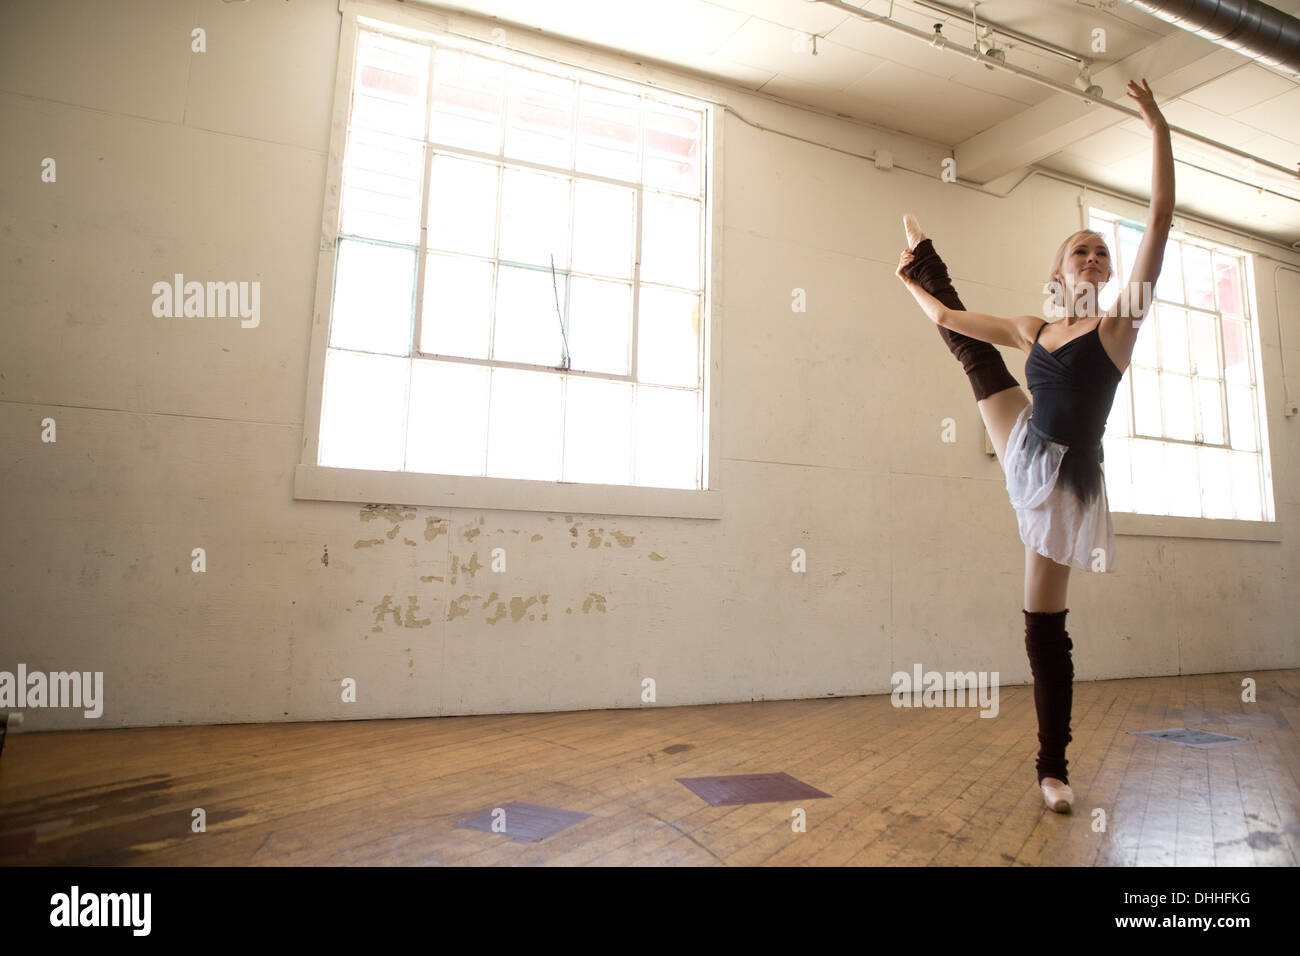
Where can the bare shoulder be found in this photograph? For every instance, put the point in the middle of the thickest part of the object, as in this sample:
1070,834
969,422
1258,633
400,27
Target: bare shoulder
1027,327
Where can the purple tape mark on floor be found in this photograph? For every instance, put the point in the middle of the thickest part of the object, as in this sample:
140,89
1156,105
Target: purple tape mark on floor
523,822
750,788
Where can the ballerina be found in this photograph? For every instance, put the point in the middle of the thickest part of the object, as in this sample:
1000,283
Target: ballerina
1050,449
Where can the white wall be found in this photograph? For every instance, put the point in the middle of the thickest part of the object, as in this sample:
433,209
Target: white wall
183,433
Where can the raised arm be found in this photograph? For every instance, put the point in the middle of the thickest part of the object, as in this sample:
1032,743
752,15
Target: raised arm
1017,333
1136,297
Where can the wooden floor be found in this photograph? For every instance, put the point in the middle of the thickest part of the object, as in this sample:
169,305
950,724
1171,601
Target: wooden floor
908,786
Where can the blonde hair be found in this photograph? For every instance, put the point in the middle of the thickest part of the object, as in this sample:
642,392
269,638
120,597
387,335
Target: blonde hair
1058,285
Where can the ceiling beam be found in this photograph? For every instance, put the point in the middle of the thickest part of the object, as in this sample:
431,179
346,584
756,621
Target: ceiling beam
1173,65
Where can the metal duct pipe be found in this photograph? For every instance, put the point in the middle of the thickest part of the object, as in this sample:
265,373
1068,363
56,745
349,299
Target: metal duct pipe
939,41
1251,28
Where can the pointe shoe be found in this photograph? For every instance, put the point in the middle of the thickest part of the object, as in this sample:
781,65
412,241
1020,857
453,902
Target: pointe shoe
913,229
1057,795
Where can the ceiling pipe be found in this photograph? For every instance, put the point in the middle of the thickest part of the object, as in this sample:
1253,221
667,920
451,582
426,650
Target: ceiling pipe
938,40
1249,27
1025,38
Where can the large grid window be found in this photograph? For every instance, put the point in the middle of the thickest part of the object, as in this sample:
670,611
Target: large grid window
519,275
1184,435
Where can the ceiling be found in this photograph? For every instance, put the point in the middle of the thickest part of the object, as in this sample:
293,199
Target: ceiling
998,124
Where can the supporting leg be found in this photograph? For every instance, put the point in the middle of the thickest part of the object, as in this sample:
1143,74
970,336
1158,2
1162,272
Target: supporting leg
1048,644
1049,647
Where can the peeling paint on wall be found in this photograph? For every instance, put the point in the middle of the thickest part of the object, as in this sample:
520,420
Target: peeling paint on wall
434,526
594,600
368,542
518,607
536,537
656,556
393,513
383,609
458,608
412,607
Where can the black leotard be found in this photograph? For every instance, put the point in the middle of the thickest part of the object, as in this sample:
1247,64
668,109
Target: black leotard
1073,389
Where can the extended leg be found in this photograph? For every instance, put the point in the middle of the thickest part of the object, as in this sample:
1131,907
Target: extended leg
1000,397
981,360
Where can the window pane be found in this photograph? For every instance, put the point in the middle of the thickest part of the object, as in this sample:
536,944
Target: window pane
1150,480
668,337
1108,294
1199,279
604,229
1179,422
1205,343
1216,489
1245,486
535,218
382,180
539,118
672,148
1180,481
1236,352
1115,469
373,292
1146,402
1144,349
608,133
1170,284
600,326
670,241
527,319
1173,339
1210,404
468,95
667,437
1129,238
363,411
598,432
449,416
462,205
1227,276
389,92
1241,417
524,425
1117,422
457,306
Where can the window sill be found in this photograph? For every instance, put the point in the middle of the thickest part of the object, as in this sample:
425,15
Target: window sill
318,483
1181,527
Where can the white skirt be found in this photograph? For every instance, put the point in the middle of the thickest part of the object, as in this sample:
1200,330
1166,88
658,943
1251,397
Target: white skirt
1053,521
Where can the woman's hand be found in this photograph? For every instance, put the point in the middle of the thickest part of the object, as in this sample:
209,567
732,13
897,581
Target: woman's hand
1146,101
903,260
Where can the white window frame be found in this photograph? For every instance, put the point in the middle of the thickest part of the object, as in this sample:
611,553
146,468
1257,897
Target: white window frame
1187,526
322,483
